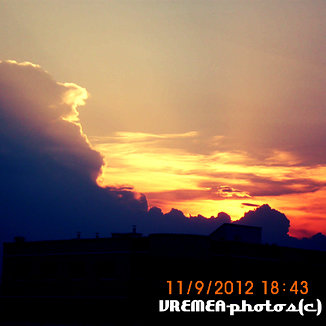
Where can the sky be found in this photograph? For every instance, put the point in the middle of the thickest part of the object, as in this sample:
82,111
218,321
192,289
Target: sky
201,106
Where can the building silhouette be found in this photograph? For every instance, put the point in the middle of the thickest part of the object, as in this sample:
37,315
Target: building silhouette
131,270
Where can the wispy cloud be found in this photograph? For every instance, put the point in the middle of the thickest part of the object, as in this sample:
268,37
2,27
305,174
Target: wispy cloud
202,183
125,136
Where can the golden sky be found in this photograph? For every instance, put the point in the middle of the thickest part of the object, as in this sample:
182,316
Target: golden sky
204,106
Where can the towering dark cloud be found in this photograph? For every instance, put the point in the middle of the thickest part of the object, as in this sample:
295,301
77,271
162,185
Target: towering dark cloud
48,169
48,172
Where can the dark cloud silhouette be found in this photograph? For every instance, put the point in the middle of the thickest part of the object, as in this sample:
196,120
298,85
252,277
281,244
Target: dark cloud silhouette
275,228
275,225
317,242
176,221
249,204
48,172
48,168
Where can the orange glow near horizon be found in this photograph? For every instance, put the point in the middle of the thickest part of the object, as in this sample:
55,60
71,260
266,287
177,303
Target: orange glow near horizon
202,106
209,183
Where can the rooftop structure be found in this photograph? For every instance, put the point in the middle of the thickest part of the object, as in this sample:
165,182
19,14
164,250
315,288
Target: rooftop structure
131,266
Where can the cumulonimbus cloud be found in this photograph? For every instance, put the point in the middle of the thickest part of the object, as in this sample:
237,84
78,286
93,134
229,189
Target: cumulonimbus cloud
41,114
48,168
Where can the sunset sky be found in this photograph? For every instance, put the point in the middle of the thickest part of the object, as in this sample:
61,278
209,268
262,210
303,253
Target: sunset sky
203,106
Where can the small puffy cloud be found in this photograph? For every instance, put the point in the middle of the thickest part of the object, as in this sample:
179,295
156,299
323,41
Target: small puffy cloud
275,225
48,171
176,221
275,229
